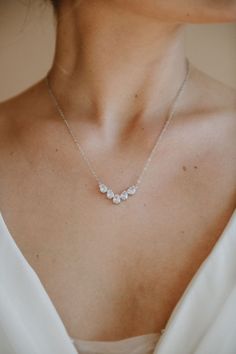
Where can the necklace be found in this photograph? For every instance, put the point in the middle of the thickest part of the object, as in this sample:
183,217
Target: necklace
117,198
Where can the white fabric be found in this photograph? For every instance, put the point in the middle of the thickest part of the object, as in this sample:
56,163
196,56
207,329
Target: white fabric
143,344
203,321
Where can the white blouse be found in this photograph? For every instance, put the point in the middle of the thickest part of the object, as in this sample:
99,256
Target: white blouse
202,322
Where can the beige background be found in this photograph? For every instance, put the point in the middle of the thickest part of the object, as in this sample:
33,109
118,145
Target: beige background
27,46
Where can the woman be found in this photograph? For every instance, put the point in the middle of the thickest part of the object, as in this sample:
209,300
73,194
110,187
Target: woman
151,270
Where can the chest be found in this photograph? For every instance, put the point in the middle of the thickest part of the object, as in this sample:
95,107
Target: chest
113,271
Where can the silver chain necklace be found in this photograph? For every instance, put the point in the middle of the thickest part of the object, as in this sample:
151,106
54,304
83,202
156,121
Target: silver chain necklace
117,198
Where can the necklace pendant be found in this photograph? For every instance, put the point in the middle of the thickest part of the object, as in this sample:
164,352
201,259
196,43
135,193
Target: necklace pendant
110,194
103,188
117,198
132,190
124,195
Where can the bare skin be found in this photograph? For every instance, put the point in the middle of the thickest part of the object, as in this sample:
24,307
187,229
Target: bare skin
118,271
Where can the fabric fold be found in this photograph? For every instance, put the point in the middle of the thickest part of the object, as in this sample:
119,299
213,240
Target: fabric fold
29,322
190,324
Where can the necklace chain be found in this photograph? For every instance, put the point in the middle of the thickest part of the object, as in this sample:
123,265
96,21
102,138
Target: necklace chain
131,190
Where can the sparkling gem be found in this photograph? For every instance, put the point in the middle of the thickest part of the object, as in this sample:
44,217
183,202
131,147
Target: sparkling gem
131,190
110,194
103,188
116,199
124,195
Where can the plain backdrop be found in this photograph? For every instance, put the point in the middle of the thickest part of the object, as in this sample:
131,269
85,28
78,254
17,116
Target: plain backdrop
27,39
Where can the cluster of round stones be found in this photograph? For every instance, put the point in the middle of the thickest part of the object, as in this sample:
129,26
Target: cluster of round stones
117,198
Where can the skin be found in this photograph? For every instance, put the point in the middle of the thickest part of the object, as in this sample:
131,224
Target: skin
118,271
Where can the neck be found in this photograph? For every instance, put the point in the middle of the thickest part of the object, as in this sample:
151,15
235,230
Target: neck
117,68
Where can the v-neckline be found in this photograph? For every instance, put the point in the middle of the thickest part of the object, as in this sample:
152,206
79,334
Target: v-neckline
176,308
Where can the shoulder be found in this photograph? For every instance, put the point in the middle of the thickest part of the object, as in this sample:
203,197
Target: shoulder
21,113
214,104
211,114
21,128
212,96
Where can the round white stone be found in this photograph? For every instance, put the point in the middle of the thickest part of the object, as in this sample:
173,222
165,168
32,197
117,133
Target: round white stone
124,195
103,188
110,194
116,199
131,190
